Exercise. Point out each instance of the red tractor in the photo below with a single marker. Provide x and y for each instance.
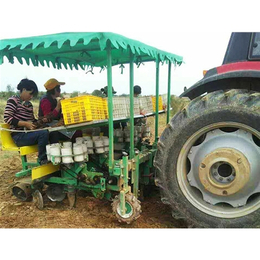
(208, 158)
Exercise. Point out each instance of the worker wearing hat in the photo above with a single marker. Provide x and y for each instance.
(52, 83)
(50, 107)
(105, 93)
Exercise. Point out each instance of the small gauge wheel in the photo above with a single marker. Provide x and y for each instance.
(38, 200)
(133, 208)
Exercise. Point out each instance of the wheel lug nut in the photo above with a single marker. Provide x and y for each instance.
(203, 165)
(239, 161)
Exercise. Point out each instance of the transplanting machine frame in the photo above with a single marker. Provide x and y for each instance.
(102, 175)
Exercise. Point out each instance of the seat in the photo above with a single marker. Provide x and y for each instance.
(9, 145)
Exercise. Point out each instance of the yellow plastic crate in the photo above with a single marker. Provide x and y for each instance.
(105, 107)
(82, 109)
(160, 103)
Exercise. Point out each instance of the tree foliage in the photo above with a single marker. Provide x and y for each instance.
(97, 93)
(74, 94)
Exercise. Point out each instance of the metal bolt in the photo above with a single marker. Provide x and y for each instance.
(203, 165)
(224, 192)
(239, 160)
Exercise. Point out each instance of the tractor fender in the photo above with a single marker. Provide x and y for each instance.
(239, 75)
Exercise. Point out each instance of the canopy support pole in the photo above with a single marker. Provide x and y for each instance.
(157, 99)
(131, 85)
(169, 93)
(110, 107)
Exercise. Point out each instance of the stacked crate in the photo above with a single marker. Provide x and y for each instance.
(160, 103)
(136, 106)
(105, 107)
(88, 108)
(164, 100)
(82, 109)
(146, 104)
(97, 108)
(119, 107)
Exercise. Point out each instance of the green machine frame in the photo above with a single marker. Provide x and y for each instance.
(100, 50)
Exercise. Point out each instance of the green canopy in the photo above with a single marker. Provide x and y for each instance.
(80, 49)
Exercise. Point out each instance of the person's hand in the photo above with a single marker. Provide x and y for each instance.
(29, 125)
(47, 119)
(142, 112)
(58, 107)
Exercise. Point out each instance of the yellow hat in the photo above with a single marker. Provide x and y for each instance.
(52, 83)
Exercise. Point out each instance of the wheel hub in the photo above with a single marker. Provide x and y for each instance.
(224, 167)
(128, 212)
(224, 171)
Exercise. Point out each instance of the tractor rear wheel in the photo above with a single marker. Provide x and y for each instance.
(208, 161)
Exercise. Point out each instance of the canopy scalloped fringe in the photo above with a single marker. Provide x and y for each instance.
(81, 49)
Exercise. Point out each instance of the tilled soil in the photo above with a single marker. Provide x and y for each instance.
(88, 213)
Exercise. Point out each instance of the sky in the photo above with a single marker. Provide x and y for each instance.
(202, 45)
(200, 51)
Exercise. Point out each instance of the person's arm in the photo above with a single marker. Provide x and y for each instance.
(28, 124)
(143, 113)
(10, 111)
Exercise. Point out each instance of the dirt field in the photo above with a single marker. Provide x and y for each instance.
(89, 212)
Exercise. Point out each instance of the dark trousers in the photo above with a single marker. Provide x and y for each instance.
(38, 137)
